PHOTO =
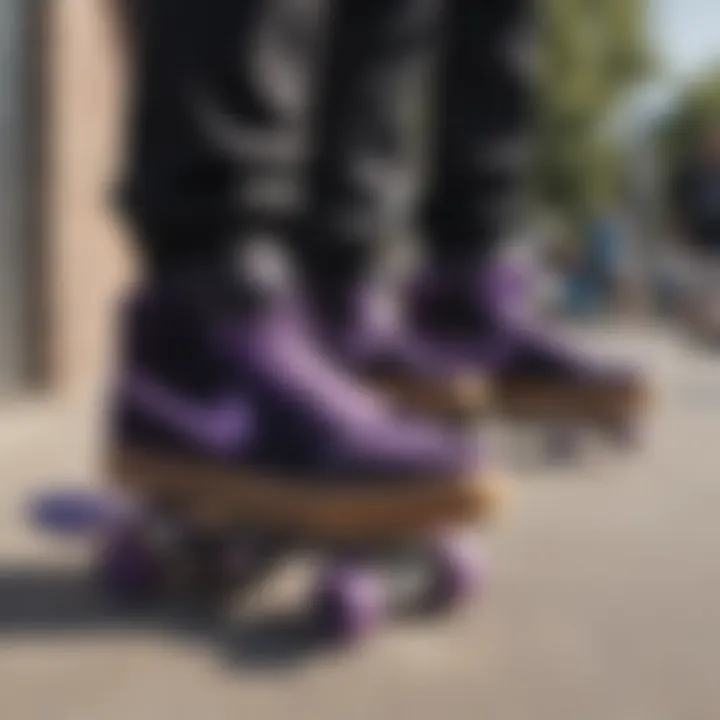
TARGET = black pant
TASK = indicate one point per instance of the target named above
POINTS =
(291, 117)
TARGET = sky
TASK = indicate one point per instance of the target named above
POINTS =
(686, 36)
(686, 32)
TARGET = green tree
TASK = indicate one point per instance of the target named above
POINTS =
(591, 54)
(696, 112)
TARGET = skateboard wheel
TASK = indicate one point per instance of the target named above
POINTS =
(347, 606)
(457, 573)
(128, 570)
(69, 512)
(211, 571)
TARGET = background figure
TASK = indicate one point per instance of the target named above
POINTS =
(695, 196)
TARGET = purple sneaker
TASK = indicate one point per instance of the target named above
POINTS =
(481, 317)
(226, 408)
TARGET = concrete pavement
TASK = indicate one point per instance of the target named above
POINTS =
(604, 602)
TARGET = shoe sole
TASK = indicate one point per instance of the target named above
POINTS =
(598, 404)
(214, 496)
(465, 396)
(476, 397)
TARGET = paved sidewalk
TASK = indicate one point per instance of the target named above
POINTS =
(604, 605)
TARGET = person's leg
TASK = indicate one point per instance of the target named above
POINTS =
(361, 171)
(219, 104)
(224, 404)
(361, 174)
(483, 128)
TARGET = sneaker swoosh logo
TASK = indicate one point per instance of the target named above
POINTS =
(222, 427)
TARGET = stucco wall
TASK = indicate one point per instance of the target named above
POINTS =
(86, 259)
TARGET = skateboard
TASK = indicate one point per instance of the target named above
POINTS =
(566, 425)
(145, 554)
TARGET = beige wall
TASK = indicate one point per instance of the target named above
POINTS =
(86, 262)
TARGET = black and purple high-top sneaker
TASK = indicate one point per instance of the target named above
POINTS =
(482, 316)
(225, 406)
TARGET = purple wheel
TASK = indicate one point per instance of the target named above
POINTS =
(457, 573)
(73, 512)
(128, 569)
(348, 605)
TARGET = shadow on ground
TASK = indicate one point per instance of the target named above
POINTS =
(47, 602)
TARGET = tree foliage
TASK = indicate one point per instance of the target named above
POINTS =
(696, 112)
(591, 53)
